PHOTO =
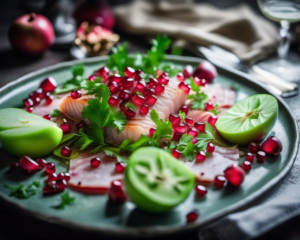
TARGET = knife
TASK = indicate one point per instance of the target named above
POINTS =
(227, 59)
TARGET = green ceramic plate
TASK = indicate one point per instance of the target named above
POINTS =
(94, 213)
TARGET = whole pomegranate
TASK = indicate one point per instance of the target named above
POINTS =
(31, 34)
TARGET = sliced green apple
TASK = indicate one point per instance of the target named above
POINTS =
(249, 120)
(23, 133)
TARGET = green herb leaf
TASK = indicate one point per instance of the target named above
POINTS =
(204, 139)
(77, 69)
(130, 105)
(65, 200)
(55, 113)
(189, 151)
(163, 128)
(22, 191)
(199, 100)
(182, 115)
(176, 50)
(120, 158)
(214, 110)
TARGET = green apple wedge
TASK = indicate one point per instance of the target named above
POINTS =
(23, 133)
(249, 120)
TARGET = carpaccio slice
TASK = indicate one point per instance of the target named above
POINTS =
(90, 180)
(217, 93)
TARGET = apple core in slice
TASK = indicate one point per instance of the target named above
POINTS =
(156, 181)
(249, 120)
(23, 133)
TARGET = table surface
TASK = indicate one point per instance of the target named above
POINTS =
(13, 224)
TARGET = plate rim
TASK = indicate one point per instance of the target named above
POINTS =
(154, 231)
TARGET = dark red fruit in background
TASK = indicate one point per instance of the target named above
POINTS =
(49, 84)
(13, 166)
(41, 162)
(27, 164)
(206, 70)
(92, 78)
(201, 190)
(219, 181)
(192, 216)
(272, 146)
(116, 192)
(235, 175)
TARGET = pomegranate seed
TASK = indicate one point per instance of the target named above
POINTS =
(141, 86)
(253, 147)
(28, 102)
(260, 156)
(13, 166)
(50, 168)
(113, 87)
(138, 100)
(41, 162)
(272, 146)
(113, 101)
(175, 153)
(185, 87)
(174, 119)
(144, 109)
(149, 85)
(177, 136)
(189, 121)
(188, 71)
(120, 167)
(153, 81)
(49, 84)
(38, 93)
(203, 82)
(51, 177)
(201, 190)
(192, 216)
(65, 127)
(180, 77)
(116, 192)
(184, 109)
(51, 188)
(181, 128)
(201, 156)
(200, 126)
(129, 113)
(210, 148)
(65, 151)
(197, 81)
(246, 166)
(103, 72)
(149, 91)
(34, 94)
(66, 176)
(137, 75)
(209, 106)
(117, 78)
(187, 126)
(95, 162)
(159, 88)
(212, 120)
(151, 100)
(235, 175)
(152, 131)
(128, 83)
(47, 116)
(122, 106)
(49, 99)
(250, 157)
(194, 141)
(193, 132)
(61, 184)
(129, 72)
(27, 164)
(219, 181)
(29, 109)
(125, 95)
(92, 78)
(163, 79)
(80, 124)
(76, 94)
(36, 101)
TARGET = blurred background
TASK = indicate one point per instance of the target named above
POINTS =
(79, 29)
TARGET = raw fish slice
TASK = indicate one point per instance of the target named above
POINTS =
(217, 93)
(86, 179)
(199, 115)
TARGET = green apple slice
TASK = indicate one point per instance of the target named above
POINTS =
(249, 120)
(156, 181)
(23, 133)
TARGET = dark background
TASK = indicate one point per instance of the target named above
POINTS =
(16, 225)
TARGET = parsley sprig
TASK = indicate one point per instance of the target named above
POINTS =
(65, 200)
(22, 191)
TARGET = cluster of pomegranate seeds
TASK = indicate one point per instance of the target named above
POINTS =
(28, 102)
(56, 183)
(200, 126)
(66, 176)
(220, 181)
(27, 164)
(66, 151)
(235, 175)
(192, 216)
(95, 162)
(47, 117)
(201, 156)
(65, 127)
(41, 162)
(188, 71)
(116, 192)
(185, 87)
(49, 99)
(201, 190)
(176, 153)
(75, 94)
(50, 168)
(174, 119)
(210, 148)
(120, 167)
(247, 166)
(79, 124)
(51, 177)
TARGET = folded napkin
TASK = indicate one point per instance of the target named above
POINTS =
(236, 29)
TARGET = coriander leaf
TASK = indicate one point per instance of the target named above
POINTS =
(55, 113)
(164, 130)
(144, 141)
(189, 152)
(68, 137)
(193, 85)
(123, 146)
(176, 50)
(65, 200)
(182, 115)
(183, 142)
(171, 69)
(120, 158)
(67, 87)
(204, 139)
(154, 117)
(83, 142)
(22, 191)
(117, 120)
(198, 100)
(214, 110)
(77, 69)
(130, 105)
